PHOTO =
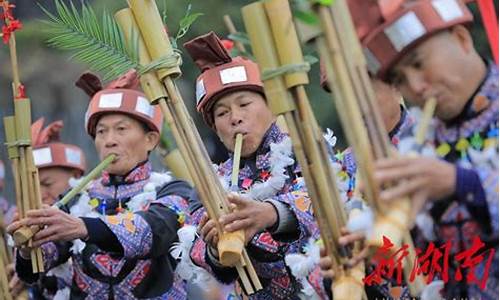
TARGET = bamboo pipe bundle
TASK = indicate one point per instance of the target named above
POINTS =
(348, 79)
(4, 261)
(280, 121)
(13, 154)
(275, 45)
(27, 182)
(153, 43)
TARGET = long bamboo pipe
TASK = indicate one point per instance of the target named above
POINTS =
(275, 48)
(145, 13)
(352, 84)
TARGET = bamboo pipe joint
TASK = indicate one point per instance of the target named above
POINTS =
(150, 84)
(154, 33)
(230, 247)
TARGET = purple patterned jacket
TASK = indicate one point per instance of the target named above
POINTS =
(267, 249)
(132, 223)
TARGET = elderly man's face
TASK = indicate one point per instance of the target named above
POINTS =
(125, 137)
(243, 112)
(438, 68)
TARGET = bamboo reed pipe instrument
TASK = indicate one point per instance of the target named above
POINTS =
(18, 128)
(18, 140)
(276, 47)
(143, 22)
(5, 259)
(280, 121)
(353, 95)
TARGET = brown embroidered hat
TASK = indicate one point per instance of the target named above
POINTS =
(220, 73)
(388, 29)
(48, 151)
(120, 96)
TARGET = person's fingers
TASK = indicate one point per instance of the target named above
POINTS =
(41, 221)
(42, 212)
(351, 238)
(322, 252)
(15, 216)
(403, 189)
(45, 232)
(210, 237)
(325, 262)
(16, 286)
(344, 230)
(237, 200)
(14, 226)
(394, 162)
(216, 239)
(359, 257)
(203, 221)
(207, 228)
(231, 217)
(10, 270)
(13, 281)
(238, 225)
(398, 173)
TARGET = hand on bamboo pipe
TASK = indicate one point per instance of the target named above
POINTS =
(248, 215)
(347, 239)
(57, 226)
(24, 252)
(16, 286)
(418, 177)
(208, 231)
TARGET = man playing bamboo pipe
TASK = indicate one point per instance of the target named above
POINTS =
(398, 123)
(423, 48)
(275, 210)
(119, 231)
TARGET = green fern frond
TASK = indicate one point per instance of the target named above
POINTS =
(100, 45)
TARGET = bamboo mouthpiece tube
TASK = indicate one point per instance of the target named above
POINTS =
(231, 243)
(236, 160)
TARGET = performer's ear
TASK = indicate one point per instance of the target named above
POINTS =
(462, 35)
